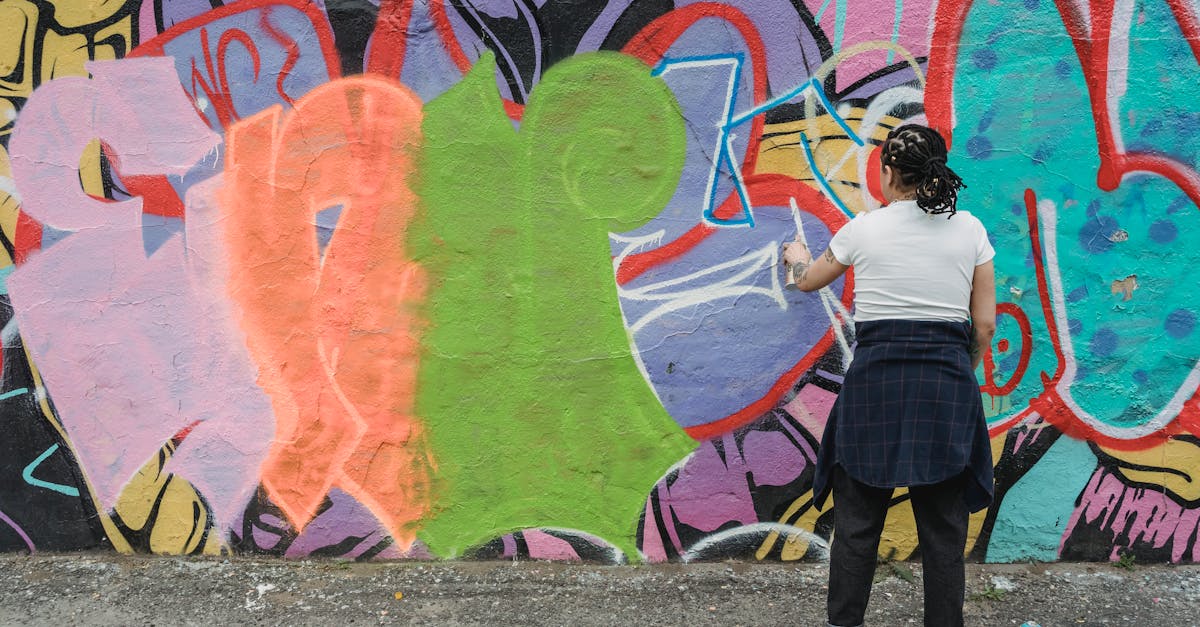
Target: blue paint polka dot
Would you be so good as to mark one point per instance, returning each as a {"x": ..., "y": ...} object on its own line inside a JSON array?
[
  {"x": 1074, "y": 326},
  {"x": 1104, "y": 342},
  {"x": 1152, "y": 127},
  {"x": 1062, "y": 69},
  {"x": 1077, "y": 294},
  {"x": 1032, "y": 4},
  {"x": 984, "y": 58},
  {"x": 1180, "y": 203},
  {"x": 1180, "y": 323},
  {"x": 1140, "y": 377},
  {"x": 1042, "y": 154},
  {"x": 979, "y": 147},
  {"x": 986, "y": 119},
  {"x": 1164, "y": 231},
  {"x": 1094, "y": 236}
]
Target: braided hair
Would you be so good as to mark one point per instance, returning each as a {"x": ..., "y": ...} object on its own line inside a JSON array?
[{"x": 918, "y": 154}]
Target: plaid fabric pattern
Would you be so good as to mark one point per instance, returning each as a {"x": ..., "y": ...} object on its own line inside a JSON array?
[{"x": 909, "y": 412}]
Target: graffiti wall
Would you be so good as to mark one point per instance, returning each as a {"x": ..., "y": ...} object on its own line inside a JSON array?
[{"x": 500, "y": 278}]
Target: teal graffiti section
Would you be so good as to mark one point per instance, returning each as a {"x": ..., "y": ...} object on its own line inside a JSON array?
[
  {"x": 1036, "y": 510},
  {"x": 1119, "y": 280}
]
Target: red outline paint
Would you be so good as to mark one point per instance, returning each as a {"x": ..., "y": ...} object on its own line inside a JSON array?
[
  {"x": 989, "y": 366},
  {"x": 155, "y": 46},
  {"x": 158, "y": 197},
  {"x": 281, "y": 38},
  {"x": 1093, "y": 49},
  {"x": 445, "y": 31},
  {"x": 649, "y": 45},
  {"x": 948, "y": 22},
  {"x": 1188, "y": 24},
  {"x": 653, "y": 41},
  {"x": 775, "y": 190},
  {"x": 388, "y": 47},
  {"x": 216, "y": 88},
  {"x": 27, "y": 239}
]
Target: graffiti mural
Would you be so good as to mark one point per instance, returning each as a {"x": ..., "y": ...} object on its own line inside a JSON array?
[{"x": 423, "y": 279}]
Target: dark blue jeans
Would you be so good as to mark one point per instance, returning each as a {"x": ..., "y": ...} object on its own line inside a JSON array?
[{"x": 859, "y": 511}]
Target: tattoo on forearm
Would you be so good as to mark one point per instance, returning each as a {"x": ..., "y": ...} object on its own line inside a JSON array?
[
  {"x": 797, "y": 271},
  {"x": 829, "y": 256},
  {"x": 803, "y": 276}
]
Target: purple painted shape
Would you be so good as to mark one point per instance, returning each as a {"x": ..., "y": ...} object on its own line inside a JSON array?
[
  {"x": 299, "y": 49},
  {"x": 699, "y": 502},
  {"x": 345, "y": 518},
  {"x": 543, "y": 546},
  {"x": 428, "y": 69},
  {"x": 718, "y": 318},
  {"x": 651, "y": 543},
  {"x": 473, "y": 46},
  {"x": 792, "y": 50},
  {"x": 811, "y": 408},
  {"x": 773, "y": 455},
  {"x": 146, "y": 22},
  {"x": 21, "y": 532},
  {"x": 152, "y": 349},
  {"x": 172, "y": 11},
  {"x": 706, "y": 493},
  {"x": 602, "y": 25},
  {"x": 1136, "y": 516},
  {"x": 510, "y": 545}
]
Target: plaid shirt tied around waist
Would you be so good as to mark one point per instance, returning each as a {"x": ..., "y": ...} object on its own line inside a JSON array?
[{"x": 909, "y": 412}]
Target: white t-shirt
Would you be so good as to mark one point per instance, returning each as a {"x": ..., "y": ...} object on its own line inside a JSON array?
[{"x": 910, "y": 265}]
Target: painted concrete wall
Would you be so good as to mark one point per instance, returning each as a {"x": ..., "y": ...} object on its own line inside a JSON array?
[{"x": 496, "y": 278}]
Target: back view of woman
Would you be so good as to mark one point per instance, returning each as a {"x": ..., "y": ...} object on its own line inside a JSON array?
[{"x": 909, "y": 413}]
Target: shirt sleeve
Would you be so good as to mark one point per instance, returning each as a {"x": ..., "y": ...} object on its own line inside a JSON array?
[
  {"x": 983, "y": 248},
  {"x": 842, "y": 245}
]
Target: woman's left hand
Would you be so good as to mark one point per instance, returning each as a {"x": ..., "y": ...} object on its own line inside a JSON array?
[{"x": 796, "y": 253}]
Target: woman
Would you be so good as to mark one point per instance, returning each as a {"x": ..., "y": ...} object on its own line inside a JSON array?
[{"x": 909, "y": 413}]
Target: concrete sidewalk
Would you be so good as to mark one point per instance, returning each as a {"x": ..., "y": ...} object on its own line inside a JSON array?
[{"x": 106, "y": 589}]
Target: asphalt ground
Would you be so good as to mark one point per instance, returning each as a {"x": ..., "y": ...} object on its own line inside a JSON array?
[{"x": 109, "y": 589}]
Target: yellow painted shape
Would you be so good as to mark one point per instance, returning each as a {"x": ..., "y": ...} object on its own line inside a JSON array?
[
  {"x": 9, "y": 207},
  {"x": 122, "y": 29},
  {"x": 801, "y": 515},
  {"x": 77, "y": 13},
  {"x": 180, "y": 523},
  {"x": 137, "y": 498},
  {"x": 63, "y": 55},
  {"x": 89, "y": 170},
  {"x": 16, "y": 34},
  {"x": 18, "y": 26},
  {"x": 836, "y": 155},
  {"x": 1174, "y": 465}
]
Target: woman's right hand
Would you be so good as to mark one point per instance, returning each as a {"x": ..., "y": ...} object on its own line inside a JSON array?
[{"x": 796, "y": 252}]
